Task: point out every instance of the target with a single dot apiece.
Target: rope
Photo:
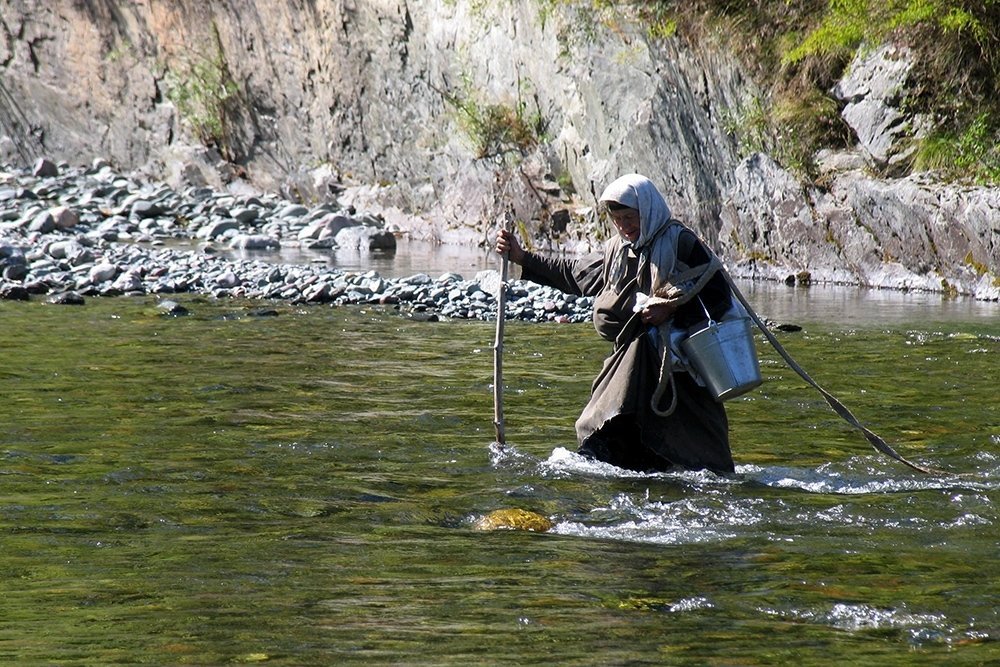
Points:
(671, 294)
(876, 441)
(666, 378)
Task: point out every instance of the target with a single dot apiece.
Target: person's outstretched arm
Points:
(583, 277)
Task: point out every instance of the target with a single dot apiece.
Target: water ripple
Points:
(695, 519)
(826, 479)
(922, 627)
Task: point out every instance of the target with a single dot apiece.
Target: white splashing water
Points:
(855, 617)
(716, 508)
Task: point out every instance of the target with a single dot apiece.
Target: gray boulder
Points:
(874, 91)
(64, 217)
(43, 223)
(45, 168)
(365, 238)
(130, 281)
(11, 292)
(11, 255)
(244, 216)
(102, 272)
(217, 228)
(327, 226)
(227, 279)
(142, 209)
(254, 242)
(15, 272)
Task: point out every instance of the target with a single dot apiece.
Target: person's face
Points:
(627, 223)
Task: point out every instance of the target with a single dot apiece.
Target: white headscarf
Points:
(638, 192)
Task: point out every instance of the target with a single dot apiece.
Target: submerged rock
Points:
(514, 519)
(67, 299)
(171, 308)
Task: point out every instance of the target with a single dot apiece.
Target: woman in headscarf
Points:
(654, 281)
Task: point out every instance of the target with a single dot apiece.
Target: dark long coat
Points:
(618, 424)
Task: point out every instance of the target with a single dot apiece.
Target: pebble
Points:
(71, 233)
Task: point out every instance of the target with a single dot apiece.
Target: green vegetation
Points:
(789, 128)
(204, 91)
(119, 51)
(496, 130)
(800, 48)
(847, 24)
(975, 151)
(660, 23)
(751, 124)
(565, 181)
(977, 266)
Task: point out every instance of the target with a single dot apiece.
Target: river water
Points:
(301, 488)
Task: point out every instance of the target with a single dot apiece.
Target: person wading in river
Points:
(648, 411)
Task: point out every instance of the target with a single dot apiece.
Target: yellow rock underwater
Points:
(514, 519)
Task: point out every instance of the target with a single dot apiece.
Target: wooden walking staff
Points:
(498, 344)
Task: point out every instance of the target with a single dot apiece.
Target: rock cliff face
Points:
(371, 101)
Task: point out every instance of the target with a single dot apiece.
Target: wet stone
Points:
(67, 299)
(93, 232)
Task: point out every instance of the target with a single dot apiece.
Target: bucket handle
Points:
(711, 320)
(667, 376)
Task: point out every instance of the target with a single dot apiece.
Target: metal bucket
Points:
(724, 355)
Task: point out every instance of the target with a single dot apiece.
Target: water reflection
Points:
(858, 306)
(851, 306)
(409, 258)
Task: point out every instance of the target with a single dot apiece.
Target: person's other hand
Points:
(657, 313)
(507, 243)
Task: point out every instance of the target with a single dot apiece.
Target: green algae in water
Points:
(301, 489)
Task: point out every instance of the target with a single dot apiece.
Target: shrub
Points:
(971, 155)
(203, 90)
(496, 129)
(799, 48)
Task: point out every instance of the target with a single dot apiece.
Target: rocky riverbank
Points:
(70, 233)
(403, 110)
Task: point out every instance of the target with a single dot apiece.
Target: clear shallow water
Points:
(300, 489)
